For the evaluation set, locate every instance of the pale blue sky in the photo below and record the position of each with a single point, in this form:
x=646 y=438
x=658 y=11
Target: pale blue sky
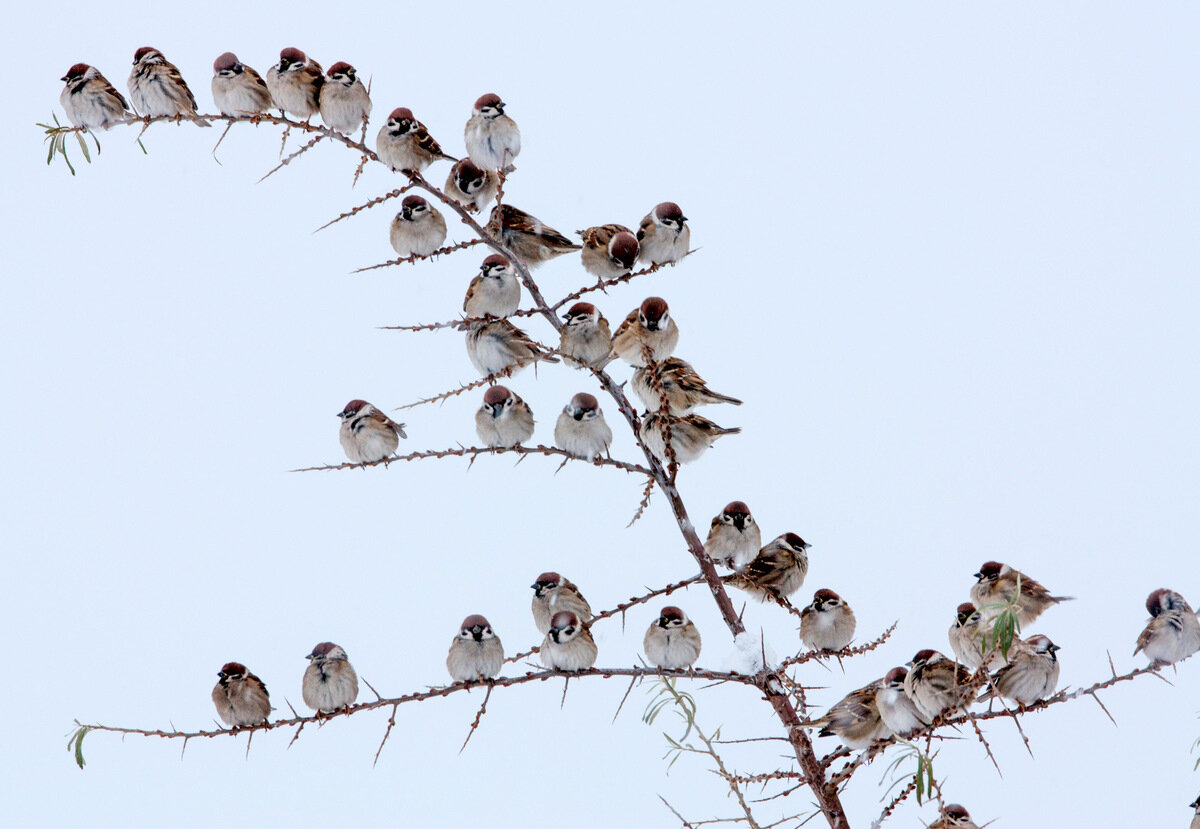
x=949 y=259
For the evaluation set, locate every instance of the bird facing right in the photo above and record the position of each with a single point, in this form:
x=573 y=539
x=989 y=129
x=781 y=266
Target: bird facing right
x=777 y=571
x=609 y=251
x=240 y=697
x=476 y=652
x=664 y=236
x=330 y=681
x=897 y=711
x=493 y=139
x=970 y=638
x=672 y=640
x=1031 y=673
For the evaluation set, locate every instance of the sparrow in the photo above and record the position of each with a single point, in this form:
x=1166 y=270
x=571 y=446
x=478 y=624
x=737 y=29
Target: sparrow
x=609 y=251
x=1030 y=675
x=497 y=345
x=969 y=638
x=895 y=708
x=495 y=291
x=553 y=593
x=935 y=684
x=89 y=100
x=404 y=144
x=734 y=538
x=664 y=236
x=828 y=623
x=504 y=420
x=295 y=83
x=342 y=99
x=330 y=682
x=1195 y=804
x=649 y=324
x=691 y=435
x=367 y=434
x=237 y=89
x=997 y=584
x=525 y=235
x=778 y=570
x=1172 y=632
x=568 y=645
x=586 y=338
x=418 y=229
x=672 y=641
x=855 y=719
x=241 y=697
x=683 y=388
x=581 y=430
x=157 y=88
x=476 y=653
x=953 y=817
x=471 y=186
x=493 y=139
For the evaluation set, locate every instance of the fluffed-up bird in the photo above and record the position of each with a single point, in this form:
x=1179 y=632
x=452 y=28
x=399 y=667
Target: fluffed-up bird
x=998 y=583
x=497 y=345
x=492 y=137
x=777 y=571
x=827 y=623
x=476 y=652
x=585 y=337
x=418 y=229
x=504 y=420
x=89 y=100
x=237 y=89
x=295 y=83
x=672 y=640
x=650 y=325
x=1172 y=632
x=367 y=434
x=568 y=645
x=330 y=682
x=581 y=429
x=552 y=593
x=241 y=698
x=734 y=538
x=664 y=236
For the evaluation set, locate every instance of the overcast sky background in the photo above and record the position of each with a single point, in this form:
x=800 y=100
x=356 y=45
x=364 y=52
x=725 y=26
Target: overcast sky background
x=949 y=259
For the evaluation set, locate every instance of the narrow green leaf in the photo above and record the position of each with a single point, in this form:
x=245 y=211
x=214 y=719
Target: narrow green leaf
x=87 y=156
x=75 y=744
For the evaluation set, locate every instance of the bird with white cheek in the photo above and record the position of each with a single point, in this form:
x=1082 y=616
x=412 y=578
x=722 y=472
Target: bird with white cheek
x=329 y=682
x=295 y=83
x=493 y=139
x=568 y=645
x=553 y=593
x=970 y=638
x=89 y=100
x=585 y=339
x=1030 y=675
x=664 y=236
x=998 y=584
x=897 y=711
x=471 y=186
x=367 y=434
x=734 y=538
x=237 y=89
x=497 y=345
x=495 y=291
x=240 y=697
x=476 y=652
x=343 y=99
x=504 y=420
x=777 y=571
x=418 y=229
x=581 y=429
x=672 y=641
x=650 y=325
x=827 y=623
x=1172 y=632
x=953 y=817
x=691 y=435
x=855 y=719
x=682 y=387
x=526 y=236
x=609 y=251
x=404 y=144
x=157 y=88
x=936 y=684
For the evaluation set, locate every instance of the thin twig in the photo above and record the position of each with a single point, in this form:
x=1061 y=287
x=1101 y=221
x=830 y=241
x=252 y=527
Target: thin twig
x=475 y=451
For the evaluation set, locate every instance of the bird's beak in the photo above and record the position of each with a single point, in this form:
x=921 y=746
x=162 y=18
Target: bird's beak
x=64 y=77
x=979 y=575
x=495 y=412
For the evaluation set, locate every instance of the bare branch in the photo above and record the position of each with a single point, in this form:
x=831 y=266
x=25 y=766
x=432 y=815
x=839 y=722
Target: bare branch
x=475 y=451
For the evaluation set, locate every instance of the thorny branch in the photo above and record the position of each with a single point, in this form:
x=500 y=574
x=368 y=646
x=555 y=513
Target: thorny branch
x=476 y=451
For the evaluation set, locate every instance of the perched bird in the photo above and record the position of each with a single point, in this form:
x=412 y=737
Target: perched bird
x=953 y=817
x=664 y=236
x=970 y=639
x=609 y=251
x=504 y=420
x=1031 y=673
x=526 y=236
x=581 y=430
x=497 y=345
x=157 y=88
x=330 y=682
x=241 y=697
x=493 y=139
x=476 y=653
x=650 y=325
x=418 y=229
x=672 y=641
x=295 y=83
x=89 y=100
x=237 y=89
x=343 y=99
x=998 y=584
x=553 y=593
x=471 y=186
x=855 y=719
x=586 y=338
x=683 y=388
x=936 y=684
x=367 y=434
x=691 y=435
x=568 y=645
x=404 y=144
x=828 y=623
x=1172 y=632
x=495 y=291
x=777 y=571
x=1195 y=804
x=734 y=538
x=897 y=711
